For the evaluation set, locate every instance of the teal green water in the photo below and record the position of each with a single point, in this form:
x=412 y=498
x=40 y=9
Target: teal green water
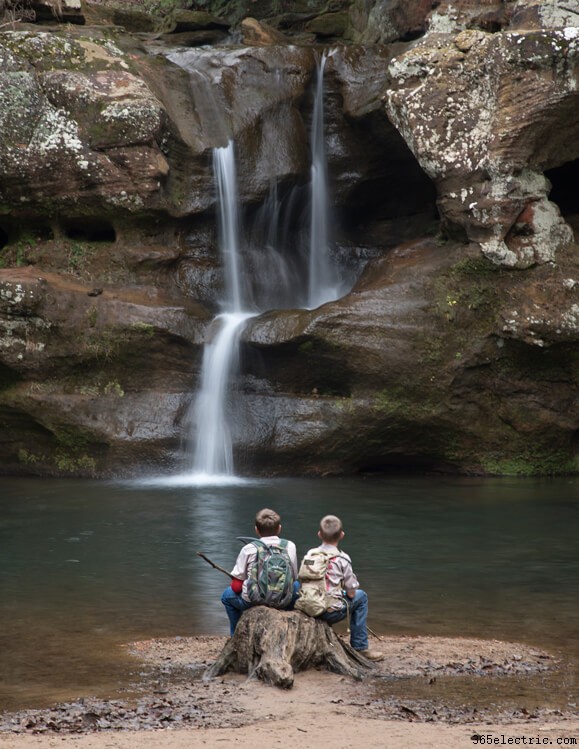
x=86 y=566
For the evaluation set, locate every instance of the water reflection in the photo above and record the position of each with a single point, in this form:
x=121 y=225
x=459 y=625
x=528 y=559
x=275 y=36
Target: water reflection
x=85 y=566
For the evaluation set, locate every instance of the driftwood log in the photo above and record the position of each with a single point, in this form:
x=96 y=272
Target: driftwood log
x=271 y=645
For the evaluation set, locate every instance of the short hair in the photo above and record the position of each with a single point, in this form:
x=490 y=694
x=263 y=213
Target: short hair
x=267 y=522
x=331 y=528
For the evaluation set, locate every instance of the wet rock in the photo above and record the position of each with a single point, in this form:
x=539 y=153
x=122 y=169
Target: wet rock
x=367 y=157
x=252 y=94
x=195 y=38
x=134 y=20
x=72 y=403
x=348 y=394
x=281 y=15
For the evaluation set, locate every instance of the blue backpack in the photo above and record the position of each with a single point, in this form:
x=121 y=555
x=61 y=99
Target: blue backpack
x=271 y=579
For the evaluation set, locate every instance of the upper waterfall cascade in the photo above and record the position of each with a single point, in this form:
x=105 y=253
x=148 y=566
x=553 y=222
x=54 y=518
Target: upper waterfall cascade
x=324 y=282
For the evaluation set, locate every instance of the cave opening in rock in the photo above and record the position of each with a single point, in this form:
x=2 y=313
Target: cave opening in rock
x=399 y=464
x=41 y=232
x=4 y=237
x=8 y=377
x=26 y=231
x=395 y=194
x=89 y=230
x=564 y=193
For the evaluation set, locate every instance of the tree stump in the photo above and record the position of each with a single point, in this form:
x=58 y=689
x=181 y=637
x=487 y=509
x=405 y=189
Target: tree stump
x=272 y=645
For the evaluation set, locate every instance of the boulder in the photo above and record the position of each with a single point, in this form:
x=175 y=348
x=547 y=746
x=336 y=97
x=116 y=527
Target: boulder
x=132 y=19
x=79 y=127
x=195 y=20
x=256 y=34
x=486 y=115
x=386 y=21
x=329 y=25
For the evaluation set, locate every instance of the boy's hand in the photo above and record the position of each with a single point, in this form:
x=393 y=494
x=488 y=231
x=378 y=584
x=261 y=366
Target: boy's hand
x=236 y=585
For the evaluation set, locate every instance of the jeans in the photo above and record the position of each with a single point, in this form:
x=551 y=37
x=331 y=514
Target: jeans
x=235 y=605
x=358 y=615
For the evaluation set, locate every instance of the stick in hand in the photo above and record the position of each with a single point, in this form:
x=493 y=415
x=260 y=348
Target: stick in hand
x=216 y=566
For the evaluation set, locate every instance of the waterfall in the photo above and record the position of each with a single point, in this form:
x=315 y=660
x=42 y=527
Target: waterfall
x=213 y=455
x=227 y=201
x=275 y=266
x=213 y=451
x=323 y=281
x=273 y=251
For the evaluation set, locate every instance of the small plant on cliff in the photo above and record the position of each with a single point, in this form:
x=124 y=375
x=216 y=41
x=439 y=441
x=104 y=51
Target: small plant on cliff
x=23 y=250
x=114 y=388
x=144 y=327
x=75 y=463
x=92 y=316
x=78 y=255
x=28 y=458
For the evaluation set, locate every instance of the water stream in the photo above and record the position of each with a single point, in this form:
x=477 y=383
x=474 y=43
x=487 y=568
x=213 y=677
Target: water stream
x=323 y=279
x=213 y=455
x=209 y=417
x=229 y=228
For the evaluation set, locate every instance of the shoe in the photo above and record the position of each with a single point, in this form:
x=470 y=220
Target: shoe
x=371 y=655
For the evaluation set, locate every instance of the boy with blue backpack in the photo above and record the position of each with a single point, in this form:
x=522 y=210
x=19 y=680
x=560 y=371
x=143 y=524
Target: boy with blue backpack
x=265 y=571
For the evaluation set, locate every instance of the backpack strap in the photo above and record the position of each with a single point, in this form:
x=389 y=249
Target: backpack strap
x=329 y=554
x=256 y=541
x=283 y=543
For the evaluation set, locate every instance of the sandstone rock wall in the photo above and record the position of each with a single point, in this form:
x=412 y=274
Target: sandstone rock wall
x=453 y=150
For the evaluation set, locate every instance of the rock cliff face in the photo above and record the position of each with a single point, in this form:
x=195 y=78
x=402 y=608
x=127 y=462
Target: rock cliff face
x=452 y=138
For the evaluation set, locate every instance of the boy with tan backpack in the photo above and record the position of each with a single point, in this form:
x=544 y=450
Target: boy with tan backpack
x=330 y=590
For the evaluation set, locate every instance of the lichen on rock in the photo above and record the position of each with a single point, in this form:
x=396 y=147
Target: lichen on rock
x=478 y=111
x=60 y=118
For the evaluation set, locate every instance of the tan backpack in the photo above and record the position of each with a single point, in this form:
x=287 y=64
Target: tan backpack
x=313 y=599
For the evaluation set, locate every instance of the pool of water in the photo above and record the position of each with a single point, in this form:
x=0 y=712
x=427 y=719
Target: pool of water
x=86 y=566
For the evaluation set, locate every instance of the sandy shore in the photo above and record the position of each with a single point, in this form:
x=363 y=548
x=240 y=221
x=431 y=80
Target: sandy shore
x=321 y=709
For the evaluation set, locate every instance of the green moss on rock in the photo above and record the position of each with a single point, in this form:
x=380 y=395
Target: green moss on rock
x=45 y=51
x=330 y=24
